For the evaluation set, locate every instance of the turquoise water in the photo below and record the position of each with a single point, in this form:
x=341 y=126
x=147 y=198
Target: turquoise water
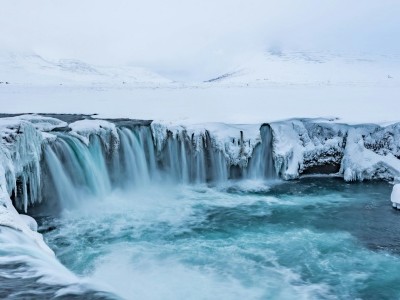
x=317 y=238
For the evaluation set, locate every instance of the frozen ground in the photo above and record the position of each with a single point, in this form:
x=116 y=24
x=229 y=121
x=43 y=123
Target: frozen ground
x=211 y=104
x=268 y=87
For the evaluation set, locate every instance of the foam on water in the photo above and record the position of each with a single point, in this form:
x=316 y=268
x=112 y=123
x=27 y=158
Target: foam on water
x=27 y=272
x=201 y=242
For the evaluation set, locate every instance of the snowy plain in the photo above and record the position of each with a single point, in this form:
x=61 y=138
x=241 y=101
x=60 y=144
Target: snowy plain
x=269 y=87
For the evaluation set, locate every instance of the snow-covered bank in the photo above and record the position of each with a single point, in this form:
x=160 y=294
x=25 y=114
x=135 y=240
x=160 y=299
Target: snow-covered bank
x=20 y=155
x=200 y=104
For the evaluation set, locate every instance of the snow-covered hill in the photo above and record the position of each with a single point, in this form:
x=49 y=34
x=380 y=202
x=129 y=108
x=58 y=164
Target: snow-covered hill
x=34 y=70
x=272 y=68
x=313 y=69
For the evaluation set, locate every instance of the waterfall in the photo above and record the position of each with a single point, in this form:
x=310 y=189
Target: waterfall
x=75 y=169
x=262 y=163
x=136 y=157
x=190 y=160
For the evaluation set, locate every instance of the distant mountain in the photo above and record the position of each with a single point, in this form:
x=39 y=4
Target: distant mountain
x=271 y=68
x=313 y=68
x=32 y=69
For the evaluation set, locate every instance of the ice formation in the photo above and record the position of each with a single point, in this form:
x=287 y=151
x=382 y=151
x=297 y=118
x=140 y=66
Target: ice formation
x=96 y=155
x=395 y=196
x=315 y=145
x=20 y=155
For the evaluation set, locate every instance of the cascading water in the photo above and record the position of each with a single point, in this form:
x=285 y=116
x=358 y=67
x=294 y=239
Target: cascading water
x=189 y=160
x=76 y=171
x=134 y=163
x=261 y=163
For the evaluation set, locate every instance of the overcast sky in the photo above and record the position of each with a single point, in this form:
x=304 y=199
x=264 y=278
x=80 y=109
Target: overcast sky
x=195 y=38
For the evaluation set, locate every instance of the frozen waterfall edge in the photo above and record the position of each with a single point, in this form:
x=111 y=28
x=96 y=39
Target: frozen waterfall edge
x=80 y=156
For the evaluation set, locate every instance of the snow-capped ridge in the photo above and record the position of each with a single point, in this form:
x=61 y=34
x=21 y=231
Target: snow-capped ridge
x=29 y=69
x=310 y=68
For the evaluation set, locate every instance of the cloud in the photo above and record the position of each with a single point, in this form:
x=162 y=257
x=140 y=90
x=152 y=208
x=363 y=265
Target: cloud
x=194 y=38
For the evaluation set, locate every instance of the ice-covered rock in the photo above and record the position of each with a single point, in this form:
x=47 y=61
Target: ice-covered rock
x=355 y=152
x=299 y=145
x=20 y=153
x=360 y=163
x=107 y=132
x=9 y=217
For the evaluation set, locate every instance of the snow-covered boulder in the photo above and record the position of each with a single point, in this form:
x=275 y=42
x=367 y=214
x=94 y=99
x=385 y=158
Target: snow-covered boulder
x=356 y=152
x=29 y=221
x=361 y=162
x=395 y=196
x=299 y=145
x=106 y=131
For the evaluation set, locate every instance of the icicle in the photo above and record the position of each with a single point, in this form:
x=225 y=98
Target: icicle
x=24 y=193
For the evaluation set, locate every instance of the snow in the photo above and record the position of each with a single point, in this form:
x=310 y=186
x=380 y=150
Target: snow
x=107 y=131
x=20 y=152
x=29 y=221
x=360 y=163
x=232 y=105
x=9 y=217
x=41 y=123
x=300 y=144
x=30 y=69
x=294 y=68
x=352 y=88
x=362 y=151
